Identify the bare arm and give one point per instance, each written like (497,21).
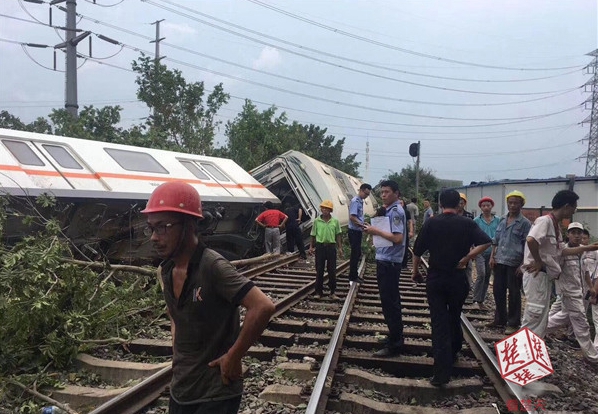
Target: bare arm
(355,220)
(472,255)
(580,249)
(492,254)
(415,275)
(396,238)
(259,310)
(339,246)
(534,249)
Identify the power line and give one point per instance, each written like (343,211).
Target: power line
(388,46)
(336,65)
(294,80)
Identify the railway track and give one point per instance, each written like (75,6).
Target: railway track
(317,355)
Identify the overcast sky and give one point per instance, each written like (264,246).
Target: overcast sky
(493,89)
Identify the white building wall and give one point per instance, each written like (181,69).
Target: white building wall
(539,194)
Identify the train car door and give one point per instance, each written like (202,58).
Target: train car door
(212,177)
(31,162)
(70,167)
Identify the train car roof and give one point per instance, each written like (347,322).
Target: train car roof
(233,185)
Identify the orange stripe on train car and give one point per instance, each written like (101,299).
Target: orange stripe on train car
(98,176)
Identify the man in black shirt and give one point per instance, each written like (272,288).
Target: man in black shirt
(448,238)
(294,236)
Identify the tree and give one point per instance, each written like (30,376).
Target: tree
(255,137)
(98,124)
(9,121)
(428,183)
(180,120)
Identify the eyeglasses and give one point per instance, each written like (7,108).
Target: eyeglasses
(160,229)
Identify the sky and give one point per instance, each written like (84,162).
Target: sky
(492,89)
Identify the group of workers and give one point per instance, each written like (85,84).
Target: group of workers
(203,290)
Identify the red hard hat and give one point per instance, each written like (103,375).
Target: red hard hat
(485,199)
(176,196)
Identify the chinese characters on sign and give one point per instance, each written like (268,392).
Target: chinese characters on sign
(517,405)
(523,358)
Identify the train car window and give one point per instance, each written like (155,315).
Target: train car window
(23,153)
(136,161)
(195,170)
(62,157)
(212,169)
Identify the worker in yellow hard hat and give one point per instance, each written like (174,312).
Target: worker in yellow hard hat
(461,208)
(326,241)
(516,193)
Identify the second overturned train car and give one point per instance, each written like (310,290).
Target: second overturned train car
(297,179)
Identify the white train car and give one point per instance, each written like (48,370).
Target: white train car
(297,178)
(103,187)
(539,193)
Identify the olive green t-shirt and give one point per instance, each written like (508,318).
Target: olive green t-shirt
(207,322)
(325,232)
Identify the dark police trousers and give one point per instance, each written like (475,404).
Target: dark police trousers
(355,237)
(387,274)
(446,292)
(229,406)
(325,258)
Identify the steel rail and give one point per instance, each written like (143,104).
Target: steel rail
(319,397)
(506,389)
(139,396)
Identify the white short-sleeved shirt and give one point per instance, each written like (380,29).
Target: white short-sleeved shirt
(571,281)
(591,261)
(550,245)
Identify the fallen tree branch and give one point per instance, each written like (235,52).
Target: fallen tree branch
(104,265)
(42,397)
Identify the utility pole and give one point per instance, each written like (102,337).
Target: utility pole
(367,161)
(592,104)
(417,170)
(158,40)
(70,45)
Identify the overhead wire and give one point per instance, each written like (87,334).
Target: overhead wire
(295,80)
(393,47)
(104,5)
(336,65)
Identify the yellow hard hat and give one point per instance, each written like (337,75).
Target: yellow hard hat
(327,204)
(463,196)
(516,193)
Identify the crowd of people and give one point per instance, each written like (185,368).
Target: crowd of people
(203,291)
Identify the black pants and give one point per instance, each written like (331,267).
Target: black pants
(355,237)
(446,296)
(387,275)
(506,279)
(295,238)
(325,258)
(230,406)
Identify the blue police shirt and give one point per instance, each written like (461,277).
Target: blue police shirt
(356,209)
(394,253)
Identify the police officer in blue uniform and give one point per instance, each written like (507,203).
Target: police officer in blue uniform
(388,267)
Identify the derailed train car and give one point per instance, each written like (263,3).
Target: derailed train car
(297,179)
(101,187)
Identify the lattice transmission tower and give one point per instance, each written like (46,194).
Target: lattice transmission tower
(591,103)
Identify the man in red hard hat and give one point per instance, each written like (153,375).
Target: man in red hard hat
(488,222)
(202,291)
